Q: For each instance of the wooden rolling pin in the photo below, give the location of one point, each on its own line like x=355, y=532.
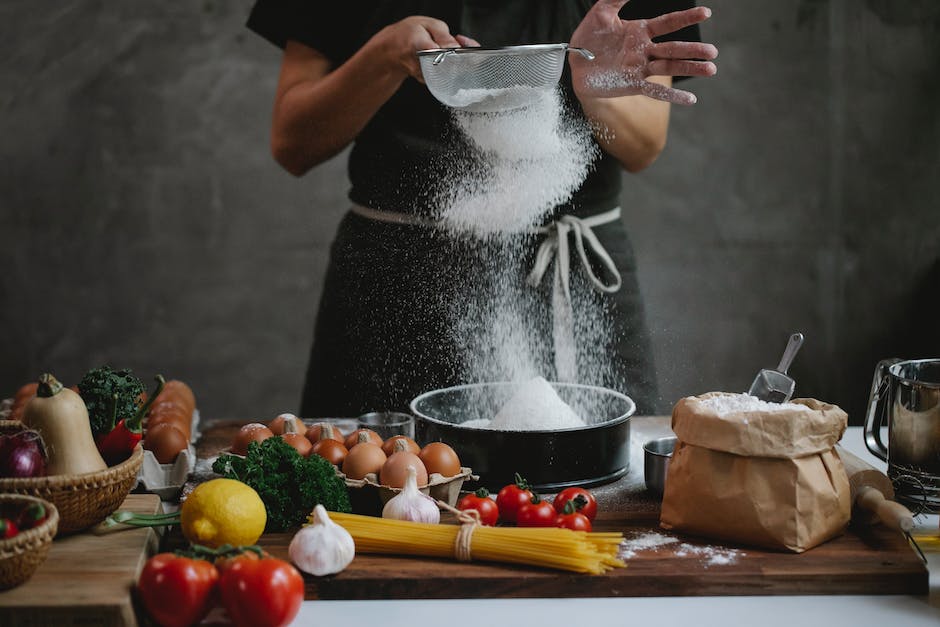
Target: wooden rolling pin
x=873, y=495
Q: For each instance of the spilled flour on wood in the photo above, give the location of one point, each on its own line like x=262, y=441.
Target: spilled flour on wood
x=653, y=541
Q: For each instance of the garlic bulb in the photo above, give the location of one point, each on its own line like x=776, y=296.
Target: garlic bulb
x=322, y=547
x=410, y=504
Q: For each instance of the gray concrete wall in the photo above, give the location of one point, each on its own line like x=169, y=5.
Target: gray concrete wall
x=144, y=224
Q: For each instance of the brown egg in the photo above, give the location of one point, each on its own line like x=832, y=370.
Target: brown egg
x=315, y=431
x=330, y=450
x=26, y=391
x=363, y=459
x=440, y=458
x=395, y=471
x=165, y=442
x=391, y=445
x=277, y=425
x=362, y=435
x=183, y=423
x=300, y=443
x=176, y=389
x=252, y=432
x=161, y=405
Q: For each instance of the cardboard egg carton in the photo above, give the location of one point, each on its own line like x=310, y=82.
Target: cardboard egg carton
x=166, y=480
x=368, y=496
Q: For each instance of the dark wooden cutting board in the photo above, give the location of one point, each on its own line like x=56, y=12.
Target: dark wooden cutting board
x=864, y=560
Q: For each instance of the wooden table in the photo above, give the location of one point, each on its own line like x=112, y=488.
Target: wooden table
x=864, y=560
x=87, y=579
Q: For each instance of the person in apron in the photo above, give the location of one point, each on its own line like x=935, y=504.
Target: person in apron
x=405, y=305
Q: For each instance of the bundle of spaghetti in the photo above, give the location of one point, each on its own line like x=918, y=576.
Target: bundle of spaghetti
x=550, y=547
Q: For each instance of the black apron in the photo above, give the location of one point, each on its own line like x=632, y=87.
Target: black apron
x=393, y=293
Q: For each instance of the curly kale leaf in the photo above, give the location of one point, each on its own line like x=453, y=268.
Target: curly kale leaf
x=98, y=388
x=289, y=484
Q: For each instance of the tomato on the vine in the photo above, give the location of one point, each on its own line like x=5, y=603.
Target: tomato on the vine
x=265, y=592
x=511, y=498
x=481, y=502
x=177, y=591
x=570, y=518
x=536, y=513
x=582, y=499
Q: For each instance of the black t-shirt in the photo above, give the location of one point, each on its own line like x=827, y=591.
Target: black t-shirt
x=412, y=135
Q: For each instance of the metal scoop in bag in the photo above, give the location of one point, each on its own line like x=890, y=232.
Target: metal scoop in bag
x=774, y=386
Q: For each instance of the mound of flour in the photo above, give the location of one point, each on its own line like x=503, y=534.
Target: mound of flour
x=734, y=403
x=535, y=406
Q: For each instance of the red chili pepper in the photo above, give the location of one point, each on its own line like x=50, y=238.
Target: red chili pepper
x=117, y=444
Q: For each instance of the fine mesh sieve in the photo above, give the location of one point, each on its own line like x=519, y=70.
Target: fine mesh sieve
x=494, y=79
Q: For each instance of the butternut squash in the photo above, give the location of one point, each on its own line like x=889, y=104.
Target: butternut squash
x=61, y=418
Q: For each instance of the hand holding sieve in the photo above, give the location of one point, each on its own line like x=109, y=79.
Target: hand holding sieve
x=774, y=386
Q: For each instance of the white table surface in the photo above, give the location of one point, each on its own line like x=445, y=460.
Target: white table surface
x=765, y=611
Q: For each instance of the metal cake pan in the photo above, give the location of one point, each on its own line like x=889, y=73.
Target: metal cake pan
x=587, y=456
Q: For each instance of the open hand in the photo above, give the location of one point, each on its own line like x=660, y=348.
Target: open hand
x=625, y=54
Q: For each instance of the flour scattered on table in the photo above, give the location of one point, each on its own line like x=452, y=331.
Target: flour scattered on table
x=653, y=541
x=644, y=542
x=712, y=555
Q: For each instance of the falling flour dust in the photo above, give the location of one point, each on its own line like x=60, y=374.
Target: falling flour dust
x=527, y=160
x=521, y=164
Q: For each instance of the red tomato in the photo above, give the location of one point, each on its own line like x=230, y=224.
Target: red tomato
x=536, y=513
x=177, y=591
x=481, y=502
x=264, y=592
x=570, y=518
x=583, y=501
x=511, y=498
x=7, y=528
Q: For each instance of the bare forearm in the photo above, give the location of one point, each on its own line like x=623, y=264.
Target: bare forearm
x=319, y=110
x=314, y=120
x=631, y=128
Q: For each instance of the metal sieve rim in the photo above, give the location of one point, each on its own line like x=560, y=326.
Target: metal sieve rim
x=525, y=48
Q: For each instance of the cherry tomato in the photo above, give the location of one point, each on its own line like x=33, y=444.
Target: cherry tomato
x=31, y=516
x=481, y=502
x=7, y=528
x=536, y=513
x=177, y=591
x=264, y=592
x=582, y=499
x=511, y=498
x=570, y=518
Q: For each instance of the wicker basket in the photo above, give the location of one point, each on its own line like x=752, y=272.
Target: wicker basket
x=22, y=554
x=82, y=500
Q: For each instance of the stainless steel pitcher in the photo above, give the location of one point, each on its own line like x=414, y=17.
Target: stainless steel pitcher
x=905, y=396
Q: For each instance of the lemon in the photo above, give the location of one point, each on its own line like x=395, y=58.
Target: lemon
x=223, y=511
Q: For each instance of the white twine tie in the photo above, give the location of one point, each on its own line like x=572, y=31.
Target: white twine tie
x=555, y=247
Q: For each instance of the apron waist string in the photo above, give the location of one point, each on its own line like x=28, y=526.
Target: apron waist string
x=554, y=245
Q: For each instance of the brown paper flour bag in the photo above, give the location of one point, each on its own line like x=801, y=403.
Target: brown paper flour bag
x=755, y=473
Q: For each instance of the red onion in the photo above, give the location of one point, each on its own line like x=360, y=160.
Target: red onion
x=22, y=455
